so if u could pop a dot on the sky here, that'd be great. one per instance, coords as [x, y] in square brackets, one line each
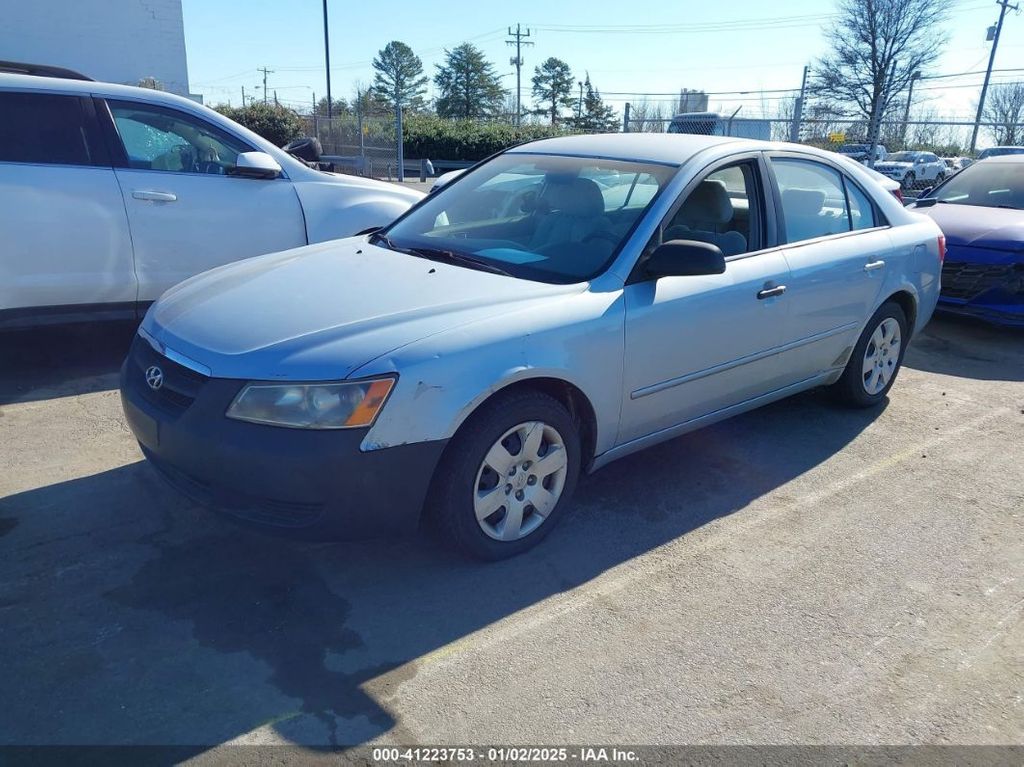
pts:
[732, 51]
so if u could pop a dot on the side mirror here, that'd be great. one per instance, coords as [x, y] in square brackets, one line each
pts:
[685, 258]
[256, 165]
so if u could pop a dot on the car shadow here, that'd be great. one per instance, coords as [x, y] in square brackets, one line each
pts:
[971, 348]
[141, 618]
[58, 361]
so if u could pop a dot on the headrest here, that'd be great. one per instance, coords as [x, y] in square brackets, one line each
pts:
[578, 197]
[806, 202]
[708, 203]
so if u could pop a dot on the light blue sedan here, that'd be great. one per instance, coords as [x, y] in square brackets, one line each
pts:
[561, 305]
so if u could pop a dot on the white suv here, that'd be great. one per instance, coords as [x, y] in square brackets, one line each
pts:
[913, 169]
[111, 194]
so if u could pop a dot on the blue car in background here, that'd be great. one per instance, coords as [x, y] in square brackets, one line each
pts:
[981, 212]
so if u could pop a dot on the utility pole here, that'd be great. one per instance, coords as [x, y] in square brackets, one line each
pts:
[1003, 6]
[243, 97]
[327, 64]
[579, 108]
[265, 72]
[517, 62]
[798, 109]
[906, 114]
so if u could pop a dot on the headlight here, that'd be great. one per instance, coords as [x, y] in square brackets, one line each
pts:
[346, 405]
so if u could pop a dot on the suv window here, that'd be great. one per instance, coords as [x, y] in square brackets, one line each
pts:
[813, 199]
[47, 128]
[156, 138]
[722, 210]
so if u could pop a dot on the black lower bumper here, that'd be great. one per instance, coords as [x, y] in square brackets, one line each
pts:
[286, 478]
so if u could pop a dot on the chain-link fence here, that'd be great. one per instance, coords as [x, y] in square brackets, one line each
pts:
[916, 153]
[365, 145]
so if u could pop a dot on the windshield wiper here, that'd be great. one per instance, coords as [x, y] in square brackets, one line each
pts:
[438, 254]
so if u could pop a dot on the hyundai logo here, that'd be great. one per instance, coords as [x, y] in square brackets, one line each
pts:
[154, 377]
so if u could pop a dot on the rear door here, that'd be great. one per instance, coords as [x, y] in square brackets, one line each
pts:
[837, 245]
[187, 212]
[65, 249]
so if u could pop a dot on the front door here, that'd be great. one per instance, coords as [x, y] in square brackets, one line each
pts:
[697, 344]
[187, 213]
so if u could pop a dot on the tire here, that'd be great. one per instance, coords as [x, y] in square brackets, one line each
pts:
[909, 180]
[864, 382]
[466, 481]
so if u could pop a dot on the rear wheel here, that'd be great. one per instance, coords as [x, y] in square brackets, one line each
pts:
[507, 475]
[876, 359]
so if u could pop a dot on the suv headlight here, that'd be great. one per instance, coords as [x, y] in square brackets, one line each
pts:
[347, 405]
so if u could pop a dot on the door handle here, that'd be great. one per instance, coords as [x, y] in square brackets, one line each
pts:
[870, 266]
[154, 196]
[778, 290]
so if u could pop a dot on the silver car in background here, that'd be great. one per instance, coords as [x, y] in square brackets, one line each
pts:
[561, 305]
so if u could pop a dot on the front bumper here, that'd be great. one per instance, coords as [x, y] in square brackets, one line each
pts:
[285, 478]
[993, 291]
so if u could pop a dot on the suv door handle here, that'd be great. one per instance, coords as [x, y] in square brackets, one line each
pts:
[154, 196]
[870, 266]
[778, 290]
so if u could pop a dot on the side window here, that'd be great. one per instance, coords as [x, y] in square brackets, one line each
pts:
[49, 129]
[723, 210]
[813, 199]
[164, 139]
[862, 212]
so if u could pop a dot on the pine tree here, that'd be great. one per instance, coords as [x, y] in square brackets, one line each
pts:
[468, 85]
[597, 117]
[399, 77]
[552, 87]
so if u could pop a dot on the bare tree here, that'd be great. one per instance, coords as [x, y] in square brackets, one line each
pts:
[647, 117]
[877, 46]
[1005, 108]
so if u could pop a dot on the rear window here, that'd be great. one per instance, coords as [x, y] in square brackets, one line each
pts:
[46, 128]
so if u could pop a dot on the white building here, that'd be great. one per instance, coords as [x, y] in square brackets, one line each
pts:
[118, 41]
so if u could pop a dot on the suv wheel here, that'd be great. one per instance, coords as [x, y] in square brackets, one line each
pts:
[909, 180]
[507, 475]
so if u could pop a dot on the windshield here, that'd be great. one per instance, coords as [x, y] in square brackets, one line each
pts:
[988, 184]
[1000, 151]
[853, 148]
[901, 157]
[539, 217]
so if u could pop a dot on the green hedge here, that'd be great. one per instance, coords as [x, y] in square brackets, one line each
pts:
[435, 138]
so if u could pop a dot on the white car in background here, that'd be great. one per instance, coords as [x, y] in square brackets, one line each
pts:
[913, 169]
[110, 194]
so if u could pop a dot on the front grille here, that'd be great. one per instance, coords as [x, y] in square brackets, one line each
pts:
[965, 281]
[180, 386]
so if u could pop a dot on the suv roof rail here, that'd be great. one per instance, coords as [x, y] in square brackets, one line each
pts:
[41, 70]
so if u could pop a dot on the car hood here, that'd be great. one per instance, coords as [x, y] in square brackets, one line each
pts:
[322, 311]
[893, 165]
[975, 226]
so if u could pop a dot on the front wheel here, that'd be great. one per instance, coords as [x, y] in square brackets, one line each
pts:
[909, 180]
[507, 475]
[876, 359]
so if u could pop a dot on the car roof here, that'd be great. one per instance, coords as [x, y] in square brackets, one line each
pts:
[1013, 158]
[665, 148]
[85, 87]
